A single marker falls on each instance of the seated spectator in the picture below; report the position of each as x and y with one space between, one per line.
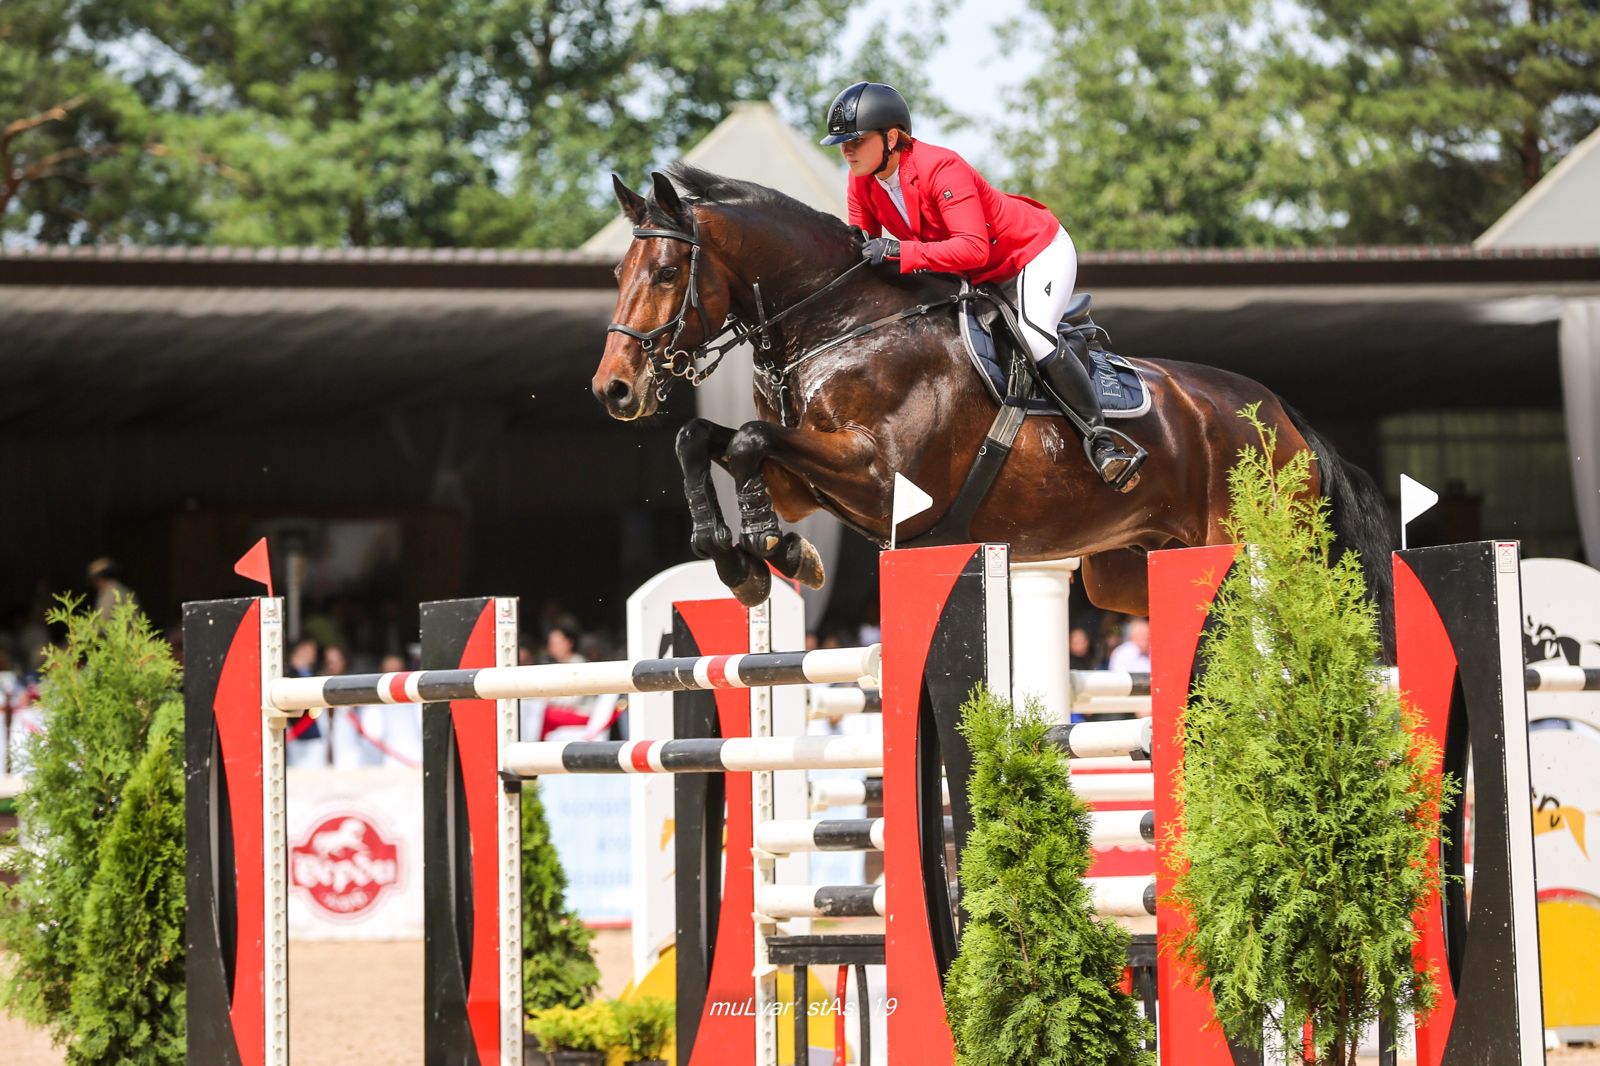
1133 654
306 743
1080 649
378 734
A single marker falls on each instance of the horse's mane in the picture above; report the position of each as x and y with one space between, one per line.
721 190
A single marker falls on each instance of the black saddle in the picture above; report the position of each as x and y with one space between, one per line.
995 350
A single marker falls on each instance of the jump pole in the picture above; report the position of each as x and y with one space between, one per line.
946 628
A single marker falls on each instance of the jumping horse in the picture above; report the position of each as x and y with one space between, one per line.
861 374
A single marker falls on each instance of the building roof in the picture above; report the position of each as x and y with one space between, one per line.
1561 211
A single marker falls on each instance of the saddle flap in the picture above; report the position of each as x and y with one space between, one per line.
1119 383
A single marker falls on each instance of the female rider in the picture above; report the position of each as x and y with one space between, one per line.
941 215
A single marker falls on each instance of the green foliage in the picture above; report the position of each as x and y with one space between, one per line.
1303 849
1192 123
1430 118
128 993
1038 977
95 925
643 1026
420 123
1144 127
591 1027
557 968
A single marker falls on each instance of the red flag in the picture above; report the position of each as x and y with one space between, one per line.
256 566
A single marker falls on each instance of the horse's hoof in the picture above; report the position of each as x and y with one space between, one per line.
754 590
810 572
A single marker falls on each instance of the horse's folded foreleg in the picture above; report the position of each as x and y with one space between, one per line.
755 444
699 442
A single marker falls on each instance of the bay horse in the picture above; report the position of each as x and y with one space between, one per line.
855 382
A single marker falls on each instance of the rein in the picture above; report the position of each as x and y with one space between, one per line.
677 361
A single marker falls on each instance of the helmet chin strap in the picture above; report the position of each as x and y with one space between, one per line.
884 135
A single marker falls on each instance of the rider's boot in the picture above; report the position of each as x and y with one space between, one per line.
1067 380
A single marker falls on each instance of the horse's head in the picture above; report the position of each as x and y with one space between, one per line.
672 297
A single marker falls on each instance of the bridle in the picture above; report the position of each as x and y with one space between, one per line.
677 361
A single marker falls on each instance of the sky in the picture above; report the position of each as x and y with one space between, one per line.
970 72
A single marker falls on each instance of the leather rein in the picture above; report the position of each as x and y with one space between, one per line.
674 360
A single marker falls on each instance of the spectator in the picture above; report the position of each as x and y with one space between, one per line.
561 641
378 734
401 725
1080 649
306 743
1133 654
106 579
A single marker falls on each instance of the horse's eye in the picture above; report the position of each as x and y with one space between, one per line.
666 274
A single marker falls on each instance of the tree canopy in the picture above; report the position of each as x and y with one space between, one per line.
494 123
1163 123
379 122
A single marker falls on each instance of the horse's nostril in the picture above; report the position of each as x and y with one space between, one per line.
618 391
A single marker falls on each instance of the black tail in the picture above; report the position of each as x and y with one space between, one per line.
1361 521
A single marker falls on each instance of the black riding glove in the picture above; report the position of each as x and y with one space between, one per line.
878 249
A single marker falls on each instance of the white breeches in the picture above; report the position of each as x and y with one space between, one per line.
1044 288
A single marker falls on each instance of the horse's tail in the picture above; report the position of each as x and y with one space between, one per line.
1361 522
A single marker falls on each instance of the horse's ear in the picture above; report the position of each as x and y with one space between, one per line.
633 205
666 195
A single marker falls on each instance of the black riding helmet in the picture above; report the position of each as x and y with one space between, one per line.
864 107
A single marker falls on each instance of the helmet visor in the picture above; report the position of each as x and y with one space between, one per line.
842 137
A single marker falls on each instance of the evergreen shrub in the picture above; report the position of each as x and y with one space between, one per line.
1308 810
95 924
1038 978
557 967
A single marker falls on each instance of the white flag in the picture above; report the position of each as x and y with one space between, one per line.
909 501
1415 498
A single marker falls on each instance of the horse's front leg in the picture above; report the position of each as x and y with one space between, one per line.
700 442
843 458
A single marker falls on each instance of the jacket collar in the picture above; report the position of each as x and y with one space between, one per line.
907 172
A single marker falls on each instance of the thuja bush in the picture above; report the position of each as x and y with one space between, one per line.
95 925
1038 977
557 967
1308 808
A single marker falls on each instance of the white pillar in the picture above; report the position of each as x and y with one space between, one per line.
1040 662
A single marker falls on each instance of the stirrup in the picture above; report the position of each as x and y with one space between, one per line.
1125 478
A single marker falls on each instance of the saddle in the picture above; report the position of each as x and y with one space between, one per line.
988 332
1006 369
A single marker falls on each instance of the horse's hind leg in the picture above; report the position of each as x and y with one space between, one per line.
789 553
699 442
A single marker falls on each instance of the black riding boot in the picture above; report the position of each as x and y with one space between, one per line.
1067 380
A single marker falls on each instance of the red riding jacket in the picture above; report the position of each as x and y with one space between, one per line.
960 224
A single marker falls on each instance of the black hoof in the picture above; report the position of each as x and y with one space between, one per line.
753 591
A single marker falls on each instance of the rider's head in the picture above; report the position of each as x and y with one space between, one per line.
870 123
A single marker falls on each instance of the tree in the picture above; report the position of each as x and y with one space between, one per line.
95 925
1038 977
1149 125
1432 118
1303 849
73 153
1195 123
422 123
